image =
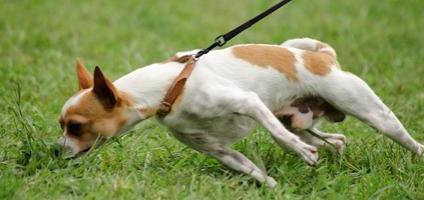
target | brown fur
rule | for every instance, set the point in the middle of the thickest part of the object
(181, 59)
(318, 63)
(94, 118)
(277, 57)
(85, 80)
(100, 110)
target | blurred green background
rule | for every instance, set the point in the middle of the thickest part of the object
(381, 41)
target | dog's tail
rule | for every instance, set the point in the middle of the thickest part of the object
(310, 45)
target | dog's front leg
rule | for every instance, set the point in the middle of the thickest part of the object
(229, 157)
(239, 162)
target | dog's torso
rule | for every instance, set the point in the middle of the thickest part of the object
(198, 114)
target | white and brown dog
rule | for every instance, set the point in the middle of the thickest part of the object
(229, 90)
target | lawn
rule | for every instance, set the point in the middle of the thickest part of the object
(381, 41)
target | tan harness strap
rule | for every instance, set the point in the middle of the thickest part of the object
(177, 86)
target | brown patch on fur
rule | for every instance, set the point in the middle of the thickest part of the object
(323, 45)
(91, 108)
(125, 99)
(277, 57)
(181, 59)
(318, 63)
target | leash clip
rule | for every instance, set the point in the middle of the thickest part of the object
(220, 40)
(194, 57)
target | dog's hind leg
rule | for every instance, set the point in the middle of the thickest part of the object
(249, 104)
(353, 96)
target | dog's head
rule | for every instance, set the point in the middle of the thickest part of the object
(96, 112)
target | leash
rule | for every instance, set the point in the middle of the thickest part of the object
(320, 137)
(223, 39)
(178, 85)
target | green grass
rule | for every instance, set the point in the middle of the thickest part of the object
(381, 41)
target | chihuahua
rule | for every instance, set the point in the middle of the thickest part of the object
(285, 88)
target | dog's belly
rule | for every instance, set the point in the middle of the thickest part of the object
(225, 130)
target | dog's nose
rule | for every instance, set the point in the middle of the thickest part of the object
(65, 149)
(62, 142)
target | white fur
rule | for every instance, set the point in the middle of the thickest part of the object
(309, 44)
(74, 100)
(225, 96)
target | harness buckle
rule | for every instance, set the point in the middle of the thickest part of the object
(164, 108)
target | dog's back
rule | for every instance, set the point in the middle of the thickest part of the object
(275, 72)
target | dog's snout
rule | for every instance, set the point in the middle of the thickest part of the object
(64, 145)
(62, 142)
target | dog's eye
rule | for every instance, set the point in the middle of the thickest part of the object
(74, 129)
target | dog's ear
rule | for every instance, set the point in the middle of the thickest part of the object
(104, 89)
(85, 80)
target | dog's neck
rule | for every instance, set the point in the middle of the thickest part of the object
(146, 87)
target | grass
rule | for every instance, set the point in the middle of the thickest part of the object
(381, 41)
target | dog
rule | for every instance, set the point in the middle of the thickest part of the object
(285, 88)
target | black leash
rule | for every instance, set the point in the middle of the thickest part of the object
(222, 39)
(320, 137)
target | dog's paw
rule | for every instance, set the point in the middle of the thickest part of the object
(340, 137)
(337, 143)
(420, 150)
(337, 146)
(309, 153)
(270, 182)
